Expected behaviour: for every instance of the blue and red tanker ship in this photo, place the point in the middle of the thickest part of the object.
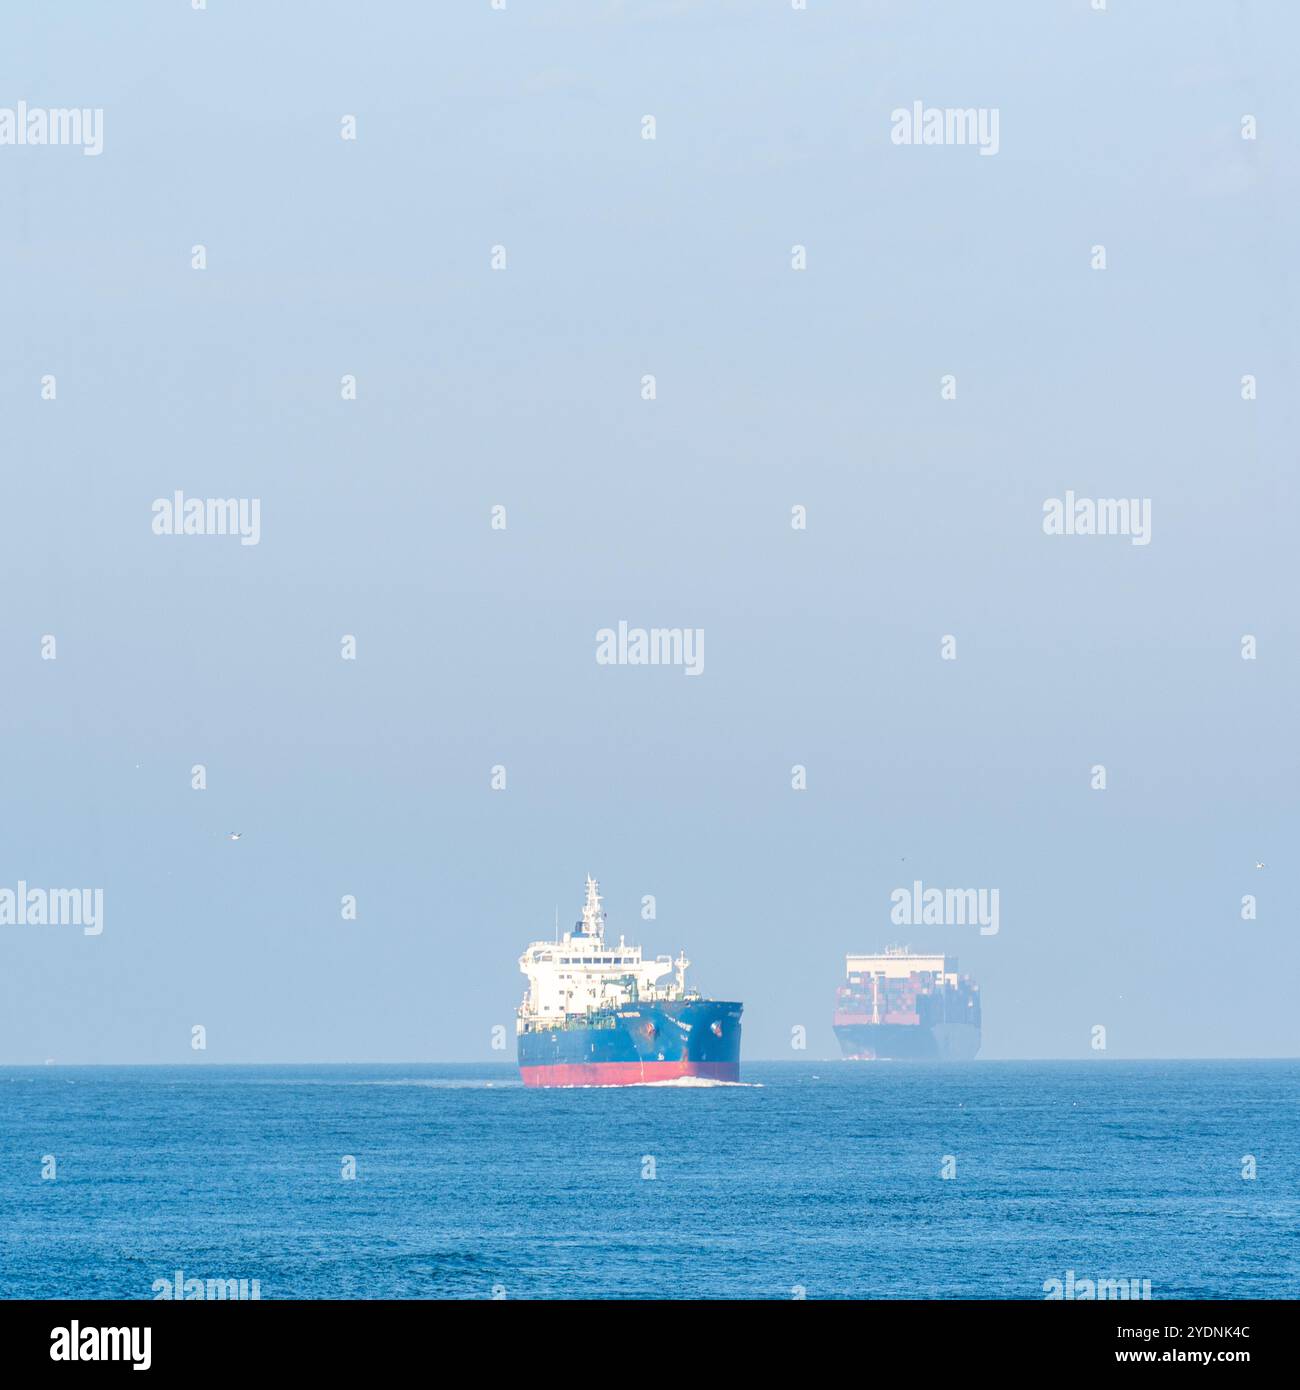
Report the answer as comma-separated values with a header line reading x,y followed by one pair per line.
x,y
596,1014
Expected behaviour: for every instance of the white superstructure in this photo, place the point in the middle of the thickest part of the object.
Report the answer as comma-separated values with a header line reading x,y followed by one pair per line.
x,y
899,962
581,972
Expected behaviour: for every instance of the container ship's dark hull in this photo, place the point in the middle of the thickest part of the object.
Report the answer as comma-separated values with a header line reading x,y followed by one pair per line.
x,y
942,1042
630,1046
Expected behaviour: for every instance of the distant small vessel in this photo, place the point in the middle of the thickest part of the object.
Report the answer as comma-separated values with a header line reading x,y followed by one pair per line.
x,y
906,1004
597,1014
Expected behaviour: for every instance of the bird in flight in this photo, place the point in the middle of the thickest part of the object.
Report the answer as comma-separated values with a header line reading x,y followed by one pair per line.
x,y
235,835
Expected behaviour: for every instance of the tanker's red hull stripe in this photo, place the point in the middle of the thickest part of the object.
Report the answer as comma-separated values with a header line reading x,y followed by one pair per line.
x,y
625,1073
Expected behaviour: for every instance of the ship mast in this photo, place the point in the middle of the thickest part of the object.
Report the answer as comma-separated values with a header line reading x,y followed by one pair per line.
x,y
593,919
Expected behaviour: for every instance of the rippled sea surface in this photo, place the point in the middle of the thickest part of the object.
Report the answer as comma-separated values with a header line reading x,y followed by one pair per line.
x,y
816,1177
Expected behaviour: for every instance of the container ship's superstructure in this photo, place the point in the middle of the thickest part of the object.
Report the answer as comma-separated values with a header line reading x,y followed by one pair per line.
x,y
905,1004
596,1014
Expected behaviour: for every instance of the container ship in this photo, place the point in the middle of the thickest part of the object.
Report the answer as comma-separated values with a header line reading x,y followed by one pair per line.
x,y
906,1004
599,1015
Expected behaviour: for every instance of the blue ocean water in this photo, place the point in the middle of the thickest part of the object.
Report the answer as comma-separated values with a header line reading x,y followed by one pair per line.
x,y
823,1177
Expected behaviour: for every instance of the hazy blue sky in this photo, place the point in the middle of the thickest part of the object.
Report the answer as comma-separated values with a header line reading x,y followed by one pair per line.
x,y
522,388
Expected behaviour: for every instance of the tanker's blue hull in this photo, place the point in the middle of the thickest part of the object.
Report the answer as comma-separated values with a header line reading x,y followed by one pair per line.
x,y
641,1042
